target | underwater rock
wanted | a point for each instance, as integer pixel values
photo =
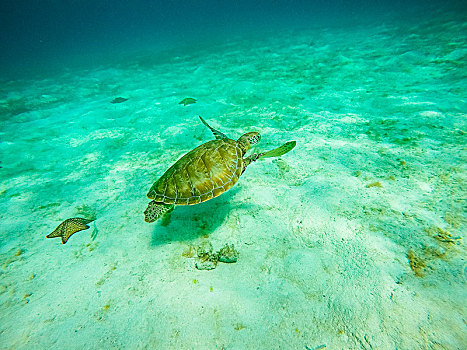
(228, 254)
(187, 101)
(208, 262)
(204, 248)
(119, 100)
(206, 259)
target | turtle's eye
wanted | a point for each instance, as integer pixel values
(254, 139)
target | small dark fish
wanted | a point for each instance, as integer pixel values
(187, 101)
(118, 100)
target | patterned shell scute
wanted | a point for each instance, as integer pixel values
(203, 173)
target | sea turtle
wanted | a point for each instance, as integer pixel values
(205, 172)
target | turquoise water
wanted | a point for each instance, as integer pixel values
(353, 240)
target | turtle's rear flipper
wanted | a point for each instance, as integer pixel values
(279, 151)
(155, 210)
(217, 134)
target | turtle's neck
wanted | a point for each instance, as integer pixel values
(244, 146)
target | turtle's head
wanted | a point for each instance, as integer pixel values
(155, 210)
(151, 213)
(249, 139)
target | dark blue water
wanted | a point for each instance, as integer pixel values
(43, 36)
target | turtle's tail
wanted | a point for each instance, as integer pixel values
(155, 210)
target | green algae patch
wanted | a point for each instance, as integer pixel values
(417, 264)
(374, 184)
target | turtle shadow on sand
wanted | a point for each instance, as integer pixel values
(188, 223)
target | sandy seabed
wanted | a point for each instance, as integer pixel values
(354, 240)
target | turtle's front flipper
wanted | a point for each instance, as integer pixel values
(155, 210)
(276, 152)
(279, 151)
(217, 134)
